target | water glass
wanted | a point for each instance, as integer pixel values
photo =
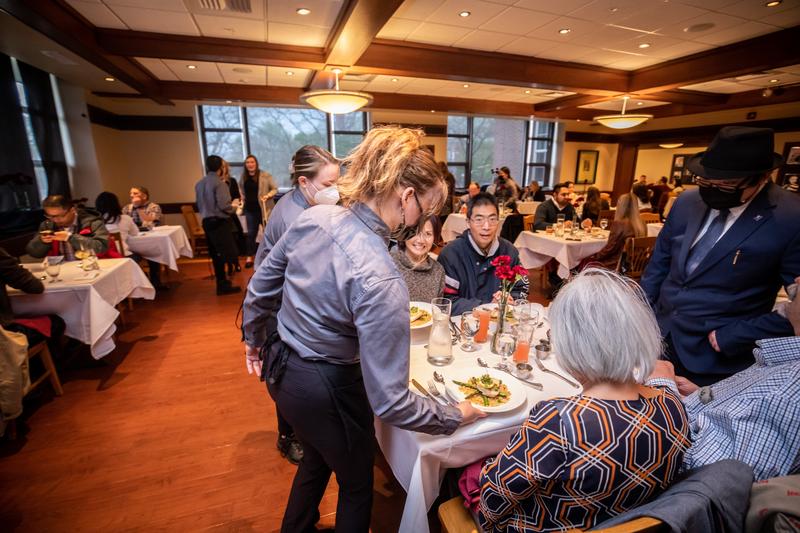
(52, 267)
(506, 343)
(603, 223)
(560, 219)
(469, 328)
(440, 342)
(522, 310)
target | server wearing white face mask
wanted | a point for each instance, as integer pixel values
(314, 174)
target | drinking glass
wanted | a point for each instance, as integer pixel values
(522, 310)
(549, 229)
(52, 267)
(469, 328)
(559, 232)
(604, 223)
(560, 219)
(505, 346)
(524, 338)
(440, 342)
(484, 316)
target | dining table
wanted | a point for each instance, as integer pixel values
(85, 300)
(654, 228)
(537, 248)
(162, 244)
(527, 208)
(419, 461)
(456, 224)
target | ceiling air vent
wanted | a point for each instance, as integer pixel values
(235, 6)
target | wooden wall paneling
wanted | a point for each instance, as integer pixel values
(625, 169)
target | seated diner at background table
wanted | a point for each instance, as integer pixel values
(145, 214)
(558, 204)
(469, 275)
(335, 332)
(107, 204)
(472, 190)
(423, 275)
(533, 193)
(627, 223)
(67, 228)
(576, 461)
(642, 195)
(593, 205)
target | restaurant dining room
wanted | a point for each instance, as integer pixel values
(446, 266)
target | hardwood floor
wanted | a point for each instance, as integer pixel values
(168, 432)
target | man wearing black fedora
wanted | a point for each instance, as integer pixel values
(721, 258)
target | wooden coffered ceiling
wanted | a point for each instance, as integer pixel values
(404, 73)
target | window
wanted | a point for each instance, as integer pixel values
(497, 142)
(458, 140)
(539, 152)
(274, 134)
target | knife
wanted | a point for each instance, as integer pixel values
(535, 385)
(422, 389)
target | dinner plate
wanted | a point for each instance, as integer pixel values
(425, 307)
(518, 392)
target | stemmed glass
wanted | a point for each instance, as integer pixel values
(52, 267)
(603, 223)
(506, 343)
(469, 328)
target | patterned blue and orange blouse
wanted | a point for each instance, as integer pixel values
(578, 461)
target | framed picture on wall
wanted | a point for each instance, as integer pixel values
(789, 173)
(586, 168)
(679, 170)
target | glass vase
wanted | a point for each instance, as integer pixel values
(502, 308)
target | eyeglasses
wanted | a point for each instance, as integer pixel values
(481, 220)
(722, 185)
(57, 217)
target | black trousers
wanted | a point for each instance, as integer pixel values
(253, 219)
(221, 246)
(328, 408)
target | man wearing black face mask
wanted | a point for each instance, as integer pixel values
(725, 250)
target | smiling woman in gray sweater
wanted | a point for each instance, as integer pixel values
(424, 276)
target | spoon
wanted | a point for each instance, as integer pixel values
(534, 384)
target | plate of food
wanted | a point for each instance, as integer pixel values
(488, 389)
(419, 314)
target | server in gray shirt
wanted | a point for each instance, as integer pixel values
(214, 203)
(332, 309)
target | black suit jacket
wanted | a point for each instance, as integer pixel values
(15, 276)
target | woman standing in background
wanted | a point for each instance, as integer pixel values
(258, 188)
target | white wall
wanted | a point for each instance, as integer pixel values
(606, 163)
(86, 178)
(657, 162)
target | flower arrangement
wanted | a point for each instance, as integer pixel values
(508, 277)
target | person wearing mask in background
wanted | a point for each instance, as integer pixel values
(424, 276)
(145, 214)
(723, 254)
(467, 261)
(214, 203)
(236, 202)
(329, 311)
(472, 191)
(258, 189)
(68, 228)
(592, 207)
(314, 174)
(627, 223)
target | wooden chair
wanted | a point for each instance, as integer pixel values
(43, 352)
(117, 240)
(608, 214)
(528, 222)
(196, 233)
(650, 218)
(455, 518)
(636, 255)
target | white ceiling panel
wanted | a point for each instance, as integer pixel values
(518, 21)
(713, 5)
(579, 30)
(98, 14)
(485, 40)
(607, 57)
(746, 30)
(157, 21)
(231, 28)
(562, 7)
(280, 33)
(348, 85)
(786, 19)
(758, 10)
(398, 29)
(323, 12)
(766, 80)
(157, 68)
(528, 47)
(633, 63)
(792, 69)
(683, 48)
(660, 14)
(716, 86)
(428, 32)
(569, 52)
(279, 76)
(417, 9)
(605, 36)
(384, 84)
(161, 5)
(203, 72)
(480, 12)
(608, 11)
(720, 22)
(243, 74)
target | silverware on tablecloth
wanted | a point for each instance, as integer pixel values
(440, 379)
(434, 390)
(420, 388)
(541, 367)
(534, 384)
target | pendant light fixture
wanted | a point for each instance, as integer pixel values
(623, 121)
(335, 101)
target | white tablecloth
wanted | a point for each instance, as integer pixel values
(419, 461)
(536, 249)
(654, 228)
(527, 208)
(455, 225)
(87, 305)
(163, 244)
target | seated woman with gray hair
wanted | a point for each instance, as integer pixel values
(583, 459)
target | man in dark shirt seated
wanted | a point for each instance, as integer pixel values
(467, 261)
(557, 204)
(67, 228)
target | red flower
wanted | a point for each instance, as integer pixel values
(504, 272)
(501, 260)
(520, 271)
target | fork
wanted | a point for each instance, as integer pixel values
(535, 385)
(436, 394)
(440, 379)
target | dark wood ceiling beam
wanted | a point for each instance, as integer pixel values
(769, 51)
(59, 22)
(678, 96)
(180, 90)
(400, 58)
(191, 48)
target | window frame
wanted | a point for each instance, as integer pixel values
(467, 165)
(530, 139)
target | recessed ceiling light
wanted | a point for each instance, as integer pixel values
(289, 73)
(228, 101)
(464, 14)
(773, 80)
(614, 9)
(644, 45)
(564, 31)
(527, 92)
(433, 111)
(773, 3)
(467, 85)
(577, 120)
(639, 103)
(109, 78)
(191, 67)
(394, 80)
(303, 11)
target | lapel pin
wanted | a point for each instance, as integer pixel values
(757, 218)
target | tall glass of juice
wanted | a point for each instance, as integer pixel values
(484, 316)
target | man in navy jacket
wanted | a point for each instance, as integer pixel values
(725, 250)
(467, 261)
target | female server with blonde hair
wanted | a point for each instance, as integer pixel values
(336, 350)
